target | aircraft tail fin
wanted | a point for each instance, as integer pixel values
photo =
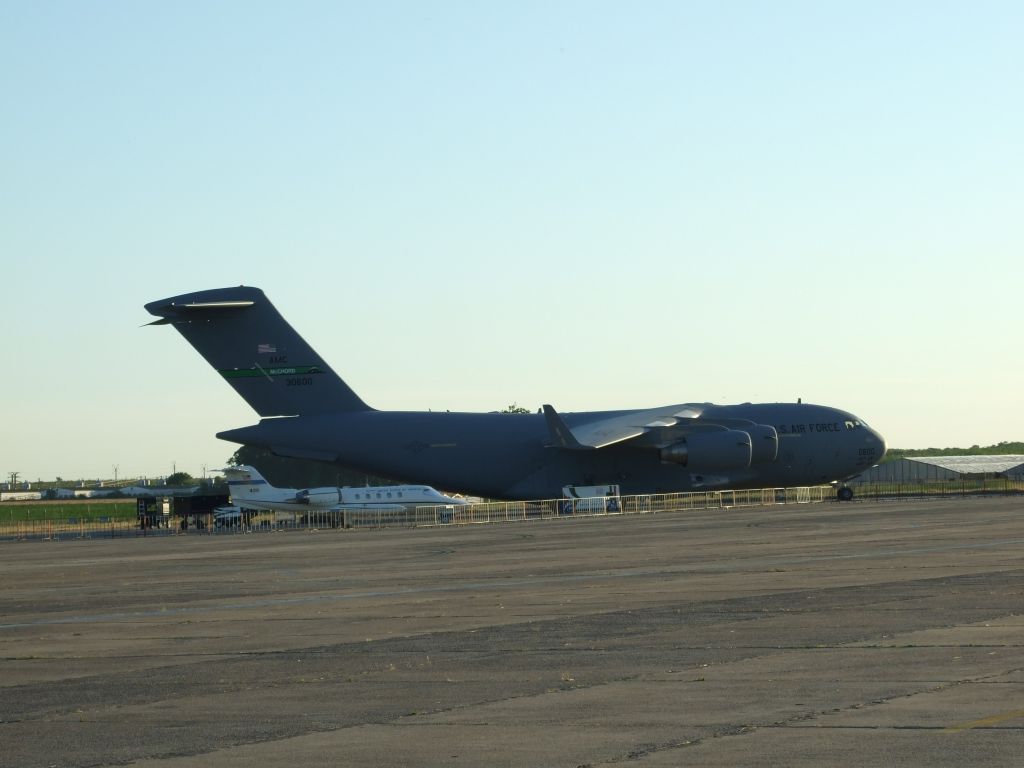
(243, 336)
(245, 482)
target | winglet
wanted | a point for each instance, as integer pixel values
(561, 435)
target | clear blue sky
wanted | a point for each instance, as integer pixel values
(461, 205)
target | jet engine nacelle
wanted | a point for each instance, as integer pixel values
(725, 449)
(318, 496)
(764, 443)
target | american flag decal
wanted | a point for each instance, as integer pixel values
(264, 349)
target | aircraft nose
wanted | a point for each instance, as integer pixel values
(879, 444)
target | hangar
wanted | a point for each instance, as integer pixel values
(918, 469)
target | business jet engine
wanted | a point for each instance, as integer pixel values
(318, 496)
(725, 449)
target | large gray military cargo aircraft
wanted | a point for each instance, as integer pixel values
(308, 412)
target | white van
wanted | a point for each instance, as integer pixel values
(590, 499)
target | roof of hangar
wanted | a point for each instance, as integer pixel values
(971, 465)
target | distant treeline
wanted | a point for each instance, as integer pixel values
(975, 450)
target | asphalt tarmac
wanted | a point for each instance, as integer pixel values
(862, 634)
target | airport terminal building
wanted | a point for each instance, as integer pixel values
(921, 469)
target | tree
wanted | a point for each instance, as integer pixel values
(213, 485)
(514, 408)
(1004, 447)
(179, 478)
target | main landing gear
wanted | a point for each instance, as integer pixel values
(844, 493)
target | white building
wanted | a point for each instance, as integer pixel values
(20, 495)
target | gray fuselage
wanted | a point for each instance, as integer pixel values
(509, 455)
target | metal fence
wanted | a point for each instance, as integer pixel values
(70, 528)
(423, 516)
(598, 506)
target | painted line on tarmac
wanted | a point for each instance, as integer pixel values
(985, 722)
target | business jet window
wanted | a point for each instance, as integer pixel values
(389, 494)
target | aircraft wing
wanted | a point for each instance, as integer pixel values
(616, 429)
